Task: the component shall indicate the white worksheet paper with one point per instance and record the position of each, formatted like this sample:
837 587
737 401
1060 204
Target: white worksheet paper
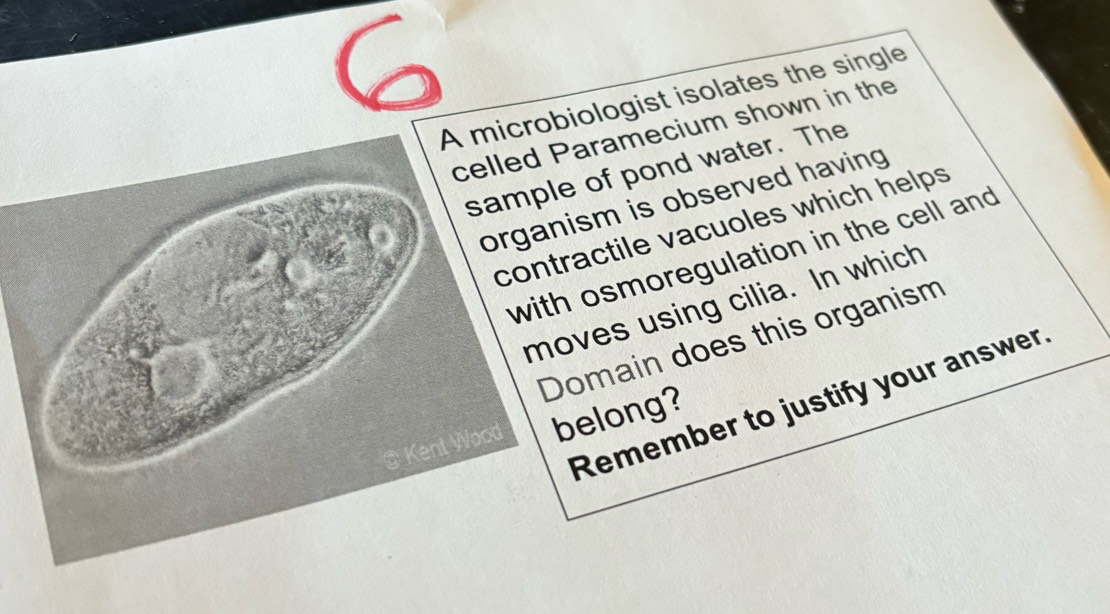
522 306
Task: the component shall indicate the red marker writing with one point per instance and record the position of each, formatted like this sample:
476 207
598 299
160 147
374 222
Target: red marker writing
372 99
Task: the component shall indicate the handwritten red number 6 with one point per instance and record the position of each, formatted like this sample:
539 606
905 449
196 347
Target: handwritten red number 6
372 99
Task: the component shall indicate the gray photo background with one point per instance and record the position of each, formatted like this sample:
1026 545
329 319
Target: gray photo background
417 375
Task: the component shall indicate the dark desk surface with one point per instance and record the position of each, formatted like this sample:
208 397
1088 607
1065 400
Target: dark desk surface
1069 38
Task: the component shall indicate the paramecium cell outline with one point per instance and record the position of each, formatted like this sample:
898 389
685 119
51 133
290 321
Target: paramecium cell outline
238 306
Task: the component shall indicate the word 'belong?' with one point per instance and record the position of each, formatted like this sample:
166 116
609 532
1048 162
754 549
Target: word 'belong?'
598 421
